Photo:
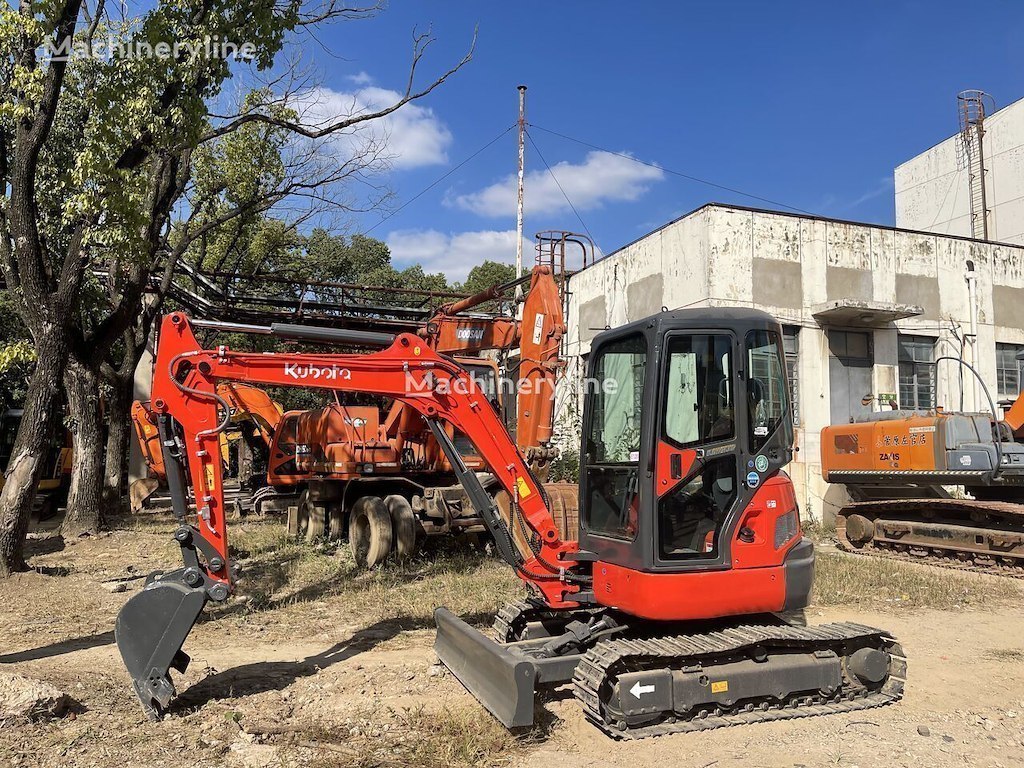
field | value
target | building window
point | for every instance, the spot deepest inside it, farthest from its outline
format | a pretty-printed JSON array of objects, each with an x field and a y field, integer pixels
[
  {"x": 853, "y": 348},
  {"x": 791, "y": 344},
  {"x": 1008, "y": 369},
  {"x": 917, "y": 372}
]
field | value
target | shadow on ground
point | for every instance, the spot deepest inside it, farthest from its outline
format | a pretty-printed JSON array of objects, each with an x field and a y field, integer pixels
[
  {"x": 263, "y": 676},
  {"x": 57, "y": 649}
]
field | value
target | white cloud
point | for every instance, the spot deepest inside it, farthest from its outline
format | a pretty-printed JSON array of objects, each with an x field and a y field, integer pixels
[
  {"x": 454, "y": 254},
  {"x": 360, "y": 78},
  {"x": 411, "y": 137},
  {"x": 600, "y": 178}
]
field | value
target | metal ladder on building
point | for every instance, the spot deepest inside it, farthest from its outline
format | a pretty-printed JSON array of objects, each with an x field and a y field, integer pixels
[{"x": 971, "y": 106}]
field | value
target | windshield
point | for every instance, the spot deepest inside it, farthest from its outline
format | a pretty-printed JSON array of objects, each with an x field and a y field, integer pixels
[
  {"x": 618, "y": 389},
  {"x": 616, "y": 392}
]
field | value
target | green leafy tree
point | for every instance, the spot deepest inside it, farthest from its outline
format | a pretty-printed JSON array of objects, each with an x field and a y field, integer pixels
[
  {"x": 17, "y": 361},
  {"x": 101, "y": 197},
  {"x": 488, "y": 274}
]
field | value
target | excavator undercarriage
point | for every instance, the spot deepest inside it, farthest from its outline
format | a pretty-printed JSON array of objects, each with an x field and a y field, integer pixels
[{"x": 636, "y": 679}]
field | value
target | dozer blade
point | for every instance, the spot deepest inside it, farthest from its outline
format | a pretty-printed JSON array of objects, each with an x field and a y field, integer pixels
[
  {"x": 150, "y": 630},
  {"x": 502, "y": 681}
]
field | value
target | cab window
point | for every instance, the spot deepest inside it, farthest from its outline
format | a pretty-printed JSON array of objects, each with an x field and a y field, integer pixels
[
  {"x": 698, "y": 390},
  {"x": 767, "y": 398},
  {"x": 615, "y": 393}
]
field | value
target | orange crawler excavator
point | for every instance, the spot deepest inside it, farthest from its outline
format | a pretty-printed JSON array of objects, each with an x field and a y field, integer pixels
[
  {"x": 904, "y": 471},
  {"x": 660, "y": 606}
]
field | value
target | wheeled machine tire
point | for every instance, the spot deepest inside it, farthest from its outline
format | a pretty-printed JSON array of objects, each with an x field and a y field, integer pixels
[
  {"x": 403, "y": 526},
  {"x": 315, "y": 515},
  {"x": 370, "y": 531}
]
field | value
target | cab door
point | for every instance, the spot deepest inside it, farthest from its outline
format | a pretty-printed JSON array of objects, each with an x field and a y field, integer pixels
[
  {"x": 697, "y": 466},
  {"x": 612, "y": 481},
  {"x": 723, "y": 430}
]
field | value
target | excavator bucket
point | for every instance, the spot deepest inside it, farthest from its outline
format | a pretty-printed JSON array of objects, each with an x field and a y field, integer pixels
[
  {"x": 501, "y": 680},
  {"x": 150, "y": 630}
]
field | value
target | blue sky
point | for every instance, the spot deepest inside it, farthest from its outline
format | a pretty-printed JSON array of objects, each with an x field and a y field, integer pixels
[{"x": 811, "y": 104}]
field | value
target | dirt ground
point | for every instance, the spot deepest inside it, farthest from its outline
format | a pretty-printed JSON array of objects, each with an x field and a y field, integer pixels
[{"x": 315, "y": 664}]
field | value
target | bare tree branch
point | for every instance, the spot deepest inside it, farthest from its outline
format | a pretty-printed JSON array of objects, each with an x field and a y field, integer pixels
[{"x": 420, "y": 44}]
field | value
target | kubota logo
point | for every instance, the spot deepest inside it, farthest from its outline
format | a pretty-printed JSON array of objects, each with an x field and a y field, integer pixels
[{"x": 327, "y": 373}]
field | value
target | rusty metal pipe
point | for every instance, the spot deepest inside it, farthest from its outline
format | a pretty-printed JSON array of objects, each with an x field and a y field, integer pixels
[{"x": 488, "y": 294}]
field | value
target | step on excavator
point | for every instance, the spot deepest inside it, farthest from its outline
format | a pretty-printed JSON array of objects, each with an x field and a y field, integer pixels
[{"x": 662, "y": 609}]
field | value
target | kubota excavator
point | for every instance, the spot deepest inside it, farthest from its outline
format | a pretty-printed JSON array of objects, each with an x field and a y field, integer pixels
[{"x": 660, "y": 609}]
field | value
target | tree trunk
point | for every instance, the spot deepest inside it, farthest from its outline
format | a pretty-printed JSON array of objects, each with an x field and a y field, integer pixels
[
  {"x": 32, "y": 447},
  {"x": 85, "y": 497},
  {"x": 115, "y": 471}
]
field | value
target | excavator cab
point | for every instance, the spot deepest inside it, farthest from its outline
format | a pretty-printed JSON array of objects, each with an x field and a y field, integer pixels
[{"x": 685, "y": 421}]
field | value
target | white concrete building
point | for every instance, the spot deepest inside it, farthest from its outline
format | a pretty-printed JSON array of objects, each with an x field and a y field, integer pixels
[
  {"x": 865, "y": 309},
  {"x": 934, "y": 190}
]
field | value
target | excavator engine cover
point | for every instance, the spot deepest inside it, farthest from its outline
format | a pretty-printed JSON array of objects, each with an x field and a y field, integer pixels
[{"x": 150, "y": 630}]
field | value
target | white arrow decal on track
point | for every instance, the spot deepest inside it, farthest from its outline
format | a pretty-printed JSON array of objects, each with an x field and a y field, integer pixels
[{"x": 639, "y": 690}]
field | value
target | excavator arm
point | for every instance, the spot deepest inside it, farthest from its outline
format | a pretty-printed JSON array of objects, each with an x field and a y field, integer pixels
[
  {"x": 246, "y": 404},
  {"x": 252, "y": 403},
  {"x": 191, "y": 414}
]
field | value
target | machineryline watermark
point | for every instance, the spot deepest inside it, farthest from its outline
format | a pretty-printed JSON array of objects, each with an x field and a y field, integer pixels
[
  {"x": 114, "y": 47},
  {"x": 419, "y": 382}
]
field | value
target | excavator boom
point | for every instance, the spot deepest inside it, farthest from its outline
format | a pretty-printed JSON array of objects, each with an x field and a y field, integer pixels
[{"x": 191, "y": 414}]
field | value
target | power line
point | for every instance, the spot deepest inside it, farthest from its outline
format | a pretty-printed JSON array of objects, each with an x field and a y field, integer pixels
[
  {"x": 437, "y": 181},
  {"x": 672, "y": 172},
  {"x": 555, "y": 179}
]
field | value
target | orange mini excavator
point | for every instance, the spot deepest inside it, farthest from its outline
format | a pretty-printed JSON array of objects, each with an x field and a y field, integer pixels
[{"x": 660, "y": 607}]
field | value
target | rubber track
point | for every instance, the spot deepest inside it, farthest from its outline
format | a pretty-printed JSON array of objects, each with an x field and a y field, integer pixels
[
  {"x": 507, "y": 617},
  {"x": 593, "y": 671},
  {"x": 951, "y": 561},
  {"x": 525, "y": 611}
]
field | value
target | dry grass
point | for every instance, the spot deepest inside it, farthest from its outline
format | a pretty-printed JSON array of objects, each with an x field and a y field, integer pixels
[
  {"x": 281, "y": 573},
  {"x": 874, "y": 582},
  {"x": 416, "y": 737}
]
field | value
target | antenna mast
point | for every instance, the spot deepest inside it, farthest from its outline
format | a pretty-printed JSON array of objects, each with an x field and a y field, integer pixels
[{"x": 519, "y": 202}]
